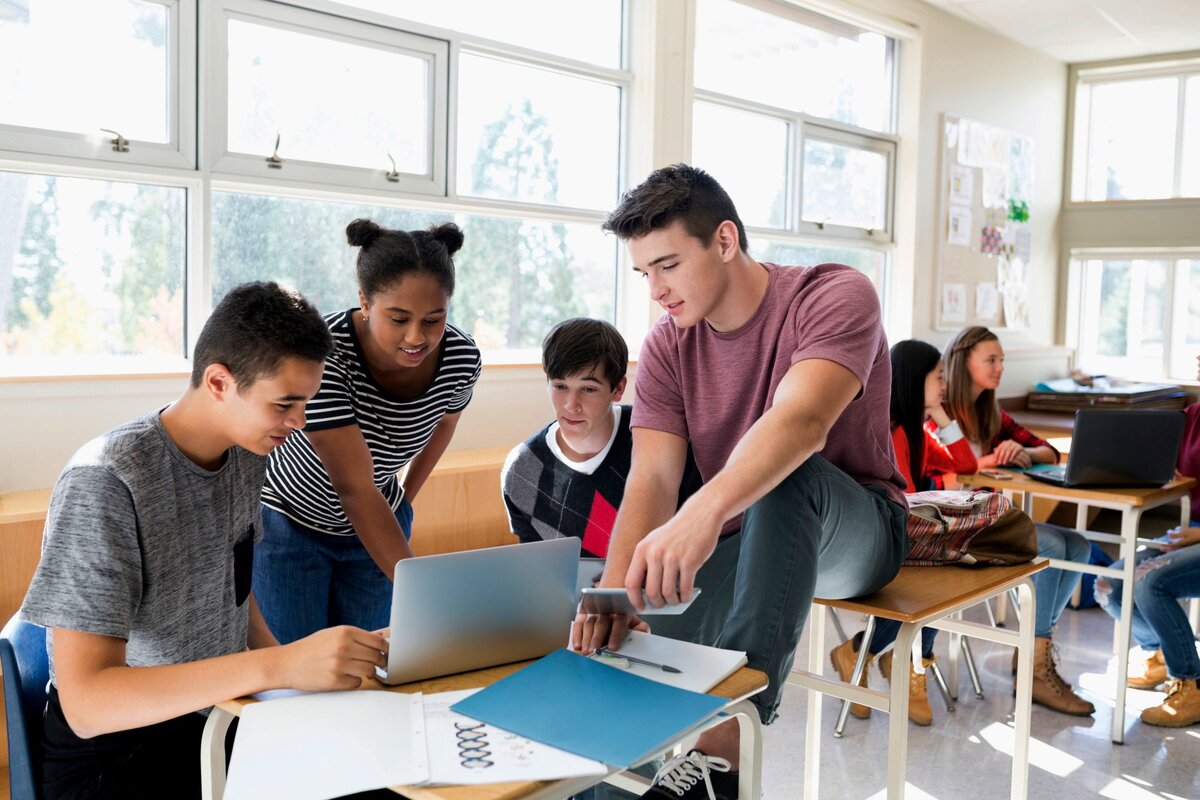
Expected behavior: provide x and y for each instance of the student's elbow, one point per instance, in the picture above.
(84, 716)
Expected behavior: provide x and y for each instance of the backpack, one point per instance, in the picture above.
(975, 527)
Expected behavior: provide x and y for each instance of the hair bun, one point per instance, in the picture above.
(362, 232)
(449, 234)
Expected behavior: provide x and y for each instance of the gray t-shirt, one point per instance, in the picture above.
(140, 545)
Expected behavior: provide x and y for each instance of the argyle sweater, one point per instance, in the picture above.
(546, 499)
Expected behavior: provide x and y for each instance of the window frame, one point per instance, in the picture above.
(178, 152)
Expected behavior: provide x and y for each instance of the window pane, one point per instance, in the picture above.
(1185, 352)
(1190, 183)
(745, 52)
(537, 136)
(281, 82)
(89, 268)
(589, 31)
(1123, 315)
(844, 185)
(872, 263)
(755, 172)
(514, 278)
(1132, 148)
(78, 67)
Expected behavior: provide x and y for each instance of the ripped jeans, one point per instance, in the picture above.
(1161, 580)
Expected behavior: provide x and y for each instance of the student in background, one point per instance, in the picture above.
(928, 445)
(336, 517)
(1160, 626)
(144, 578)
(568, 478)
(974, 363)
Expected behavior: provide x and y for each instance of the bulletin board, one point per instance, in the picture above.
(984, 233)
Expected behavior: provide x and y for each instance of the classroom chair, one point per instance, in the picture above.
(26, 673)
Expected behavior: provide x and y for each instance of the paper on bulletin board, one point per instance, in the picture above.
(962, 186)
(951, 133)
(954, 302)
(1022, 242)
(958, 226)
(1013, 285)
(987, 301)
(995, 187)
(972, 143)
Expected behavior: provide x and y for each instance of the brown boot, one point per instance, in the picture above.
(919, 710)
(843, 657)
(1049, 689)
(1148, 673)
(1180, 709)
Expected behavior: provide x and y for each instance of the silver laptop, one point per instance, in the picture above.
(462, 611)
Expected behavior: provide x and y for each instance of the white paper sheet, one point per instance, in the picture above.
(954, 302)
(987, 301)
(702, 667)
(327, 745)
(962, 186)
(465, 751)
(958, 226)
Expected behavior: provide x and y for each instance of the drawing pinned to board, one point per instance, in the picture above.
(951, 134)
(991, 241)
(995, 187)
(987, 301)
(954, 302)
(1016, 307)
(962, 186)
(972, 143)
(1022, 243)
(958, 226)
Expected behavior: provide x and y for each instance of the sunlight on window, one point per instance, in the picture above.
(825, 68)
(755, 172)
(78, 67)
(844, 185)
(1190, 177)
(1132, 139)
(1041, 755)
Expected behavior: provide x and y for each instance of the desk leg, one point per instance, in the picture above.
(1024, 695)
(812, 736)
(898, 711)
(212, 754)
(1129, 527)
(955, 649)
(750, 739)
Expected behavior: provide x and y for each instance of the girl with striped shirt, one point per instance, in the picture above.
(336, 517)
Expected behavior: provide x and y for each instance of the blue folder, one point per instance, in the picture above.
(594, 710)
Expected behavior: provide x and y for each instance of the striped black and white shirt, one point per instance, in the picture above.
(297, 484)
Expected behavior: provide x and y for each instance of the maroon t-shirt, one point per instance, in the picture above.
(1189, 453)
(710, 387)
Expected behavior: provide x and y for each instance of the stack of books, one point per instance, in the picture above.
(1067, 395)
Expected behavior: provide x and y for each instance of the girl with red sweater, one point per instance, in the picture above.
(928, 445)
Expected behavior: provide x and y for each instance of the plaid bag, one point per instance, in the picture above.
(968, 528)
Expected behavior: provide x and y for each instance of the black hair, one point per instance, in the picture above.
(676, 192)
(582, 344)
(388, 255)
(254, 328)
(912, 361)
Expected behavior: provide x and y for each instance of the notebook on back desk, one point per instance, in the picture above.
(1118, 448)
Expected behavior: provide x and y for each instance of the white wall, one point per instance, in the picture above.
(956, 68)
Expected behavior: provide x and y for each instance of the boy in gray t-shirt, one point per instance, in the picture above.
(144, 578)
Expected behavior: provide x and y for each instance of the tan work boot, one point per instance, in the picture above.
(919, 710)
(1049, 689)
(1180, 709)
(1148, 673)
(843, 657)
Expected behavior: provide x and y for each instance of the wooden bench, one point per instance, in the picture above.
(920, 597)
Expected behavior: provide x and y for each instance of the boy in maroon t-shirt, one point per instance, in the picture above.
(779, 378)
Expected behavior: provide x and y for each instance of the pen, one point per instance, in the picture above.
(604, 651)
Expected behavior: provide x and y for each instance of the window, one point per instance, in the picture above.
(810, 164)
(91, 273)
(1137, 133)
(1139, 315)
(312, 113)
(69, 70)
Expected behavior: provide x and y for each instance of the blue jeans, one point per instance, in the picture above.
(306, 581)
(1053, 588)
(886, 631)
(819, 533)
(1159, 623)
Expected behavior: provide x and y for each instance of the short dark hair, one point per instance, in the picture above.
(676, 192)
(254, 328)
(582, 344)
(388, 255)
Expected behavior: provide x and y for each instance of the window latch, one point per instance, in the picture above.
(119, 143)
(273, 160)
(392, 176)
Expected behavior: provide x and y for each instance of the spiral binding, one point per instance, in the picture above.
(473, 745)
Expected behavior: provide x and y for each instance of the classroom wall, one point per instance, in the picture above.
(956, 68)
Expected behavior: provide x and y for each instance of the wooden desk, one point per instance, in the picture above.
(737, 688)
(922, 597)
(1132, 503)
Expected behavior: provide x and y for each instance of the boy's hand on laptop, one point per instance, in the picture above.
(333, 659)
